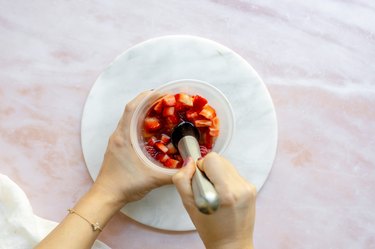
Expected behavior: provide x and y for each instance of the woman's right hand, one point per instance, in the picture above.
(232, 225)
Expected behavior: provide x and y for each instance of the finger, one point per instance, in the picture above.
(216, 168)
(200, 164)
(129, 110)
(182, 180)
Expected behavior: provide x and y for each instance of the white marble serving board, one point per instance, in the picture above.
(160, 60)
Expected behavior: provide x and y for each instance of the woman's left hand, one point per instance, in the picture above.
(123, 176)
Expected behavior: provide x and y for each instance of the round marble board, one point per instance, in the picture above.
(160, 60)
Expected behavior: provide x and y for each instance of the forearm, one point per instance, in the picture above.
(74, 231)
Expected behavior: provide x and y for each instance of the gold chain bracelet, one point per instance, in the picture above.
(95, 226)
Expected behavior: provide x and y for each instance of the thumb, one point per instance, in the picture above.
(182, 180)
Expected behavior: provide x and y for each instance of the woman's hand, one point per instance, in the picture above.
(122, 179)
(123, 176)
(233, 223)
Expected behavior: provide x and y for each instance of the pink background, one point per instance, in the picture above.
(315, 57)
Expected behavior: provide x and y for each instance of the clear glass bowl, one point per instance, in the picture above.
(215, 98)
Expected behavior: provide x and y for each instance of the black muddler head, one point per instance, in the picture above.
(184, 129)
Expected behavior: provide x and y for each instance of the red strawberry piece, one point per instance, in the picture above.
(151, 150)
(171, 149)
(184, 99)
(152, 124)
(168, 111)
(165, 138)
(179, 158)
(161, 157)
(165, 113)
(152, 140)
(191, 115)
(203, 133)
(208, 112)
(199, 102)
(209, 142)
(147, 134)
(206, 139)
(172, 120)
(161, 147)
(204, 150)
(158, 107)
(202, 123)
(169, 100)
(179, 107)
(216, 123)
(213, 132)
(171, 163)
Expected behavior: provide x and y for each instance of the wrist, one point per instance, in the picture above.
(97, 206)
(108, 198)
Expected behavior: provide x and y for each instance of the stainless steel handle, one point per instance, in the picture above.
(205, 195)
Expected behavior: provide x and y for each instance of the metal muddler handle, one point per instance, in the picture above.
(206, 198)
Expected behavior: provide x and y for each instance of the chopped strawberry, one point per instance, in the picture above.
(171, 163)
(169, 100)
(161, 157)
(184, 98)
(206, 139)
(165, 138)
(216, 123)
(152, 141)
(152, 124)
(165, 114)
(191, 115)
(158, 107)
(179, 158)
(213, 132)
(180, 107)
(172, 120)
(199, 102)
(151, 150)
(204, 150)
(168, 111)
(208, 112)
(147, 134)
(171, 149)
(161, 147)
(209, 142)
(202, 123)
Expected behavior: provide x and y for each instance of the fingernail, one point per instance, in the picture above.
(199, 160)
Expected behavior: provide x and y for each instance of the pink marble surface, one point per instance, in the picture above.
(316, 58)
